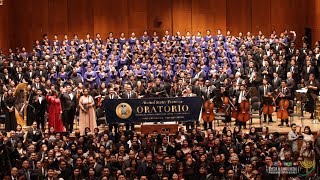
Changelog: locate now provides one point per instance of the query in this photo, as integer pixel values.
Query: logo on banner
(123, 110)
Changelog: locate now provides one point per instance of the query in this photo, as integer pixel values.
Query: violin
(207, 113)
(244, 107)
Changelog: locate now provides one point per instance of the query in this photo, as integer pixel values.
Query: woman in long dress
(87, 116)
(54, 112)
(11, 121)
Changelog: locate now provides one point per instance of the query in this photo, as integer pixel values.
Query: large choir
(66, 80)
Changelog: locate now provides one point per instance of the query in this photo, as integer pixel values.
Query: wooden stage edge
(273, 127)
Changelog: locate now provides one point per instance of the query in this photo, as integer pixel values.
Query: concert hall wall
(23, 21)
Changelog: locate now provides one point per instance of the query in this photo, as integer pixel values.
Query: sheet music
(302, 90)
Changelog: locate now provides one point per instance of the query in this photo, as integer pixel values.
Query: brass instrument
(22, 120)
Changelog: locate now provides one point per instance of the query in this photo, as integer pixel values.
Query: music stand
(267, 101)
(302, 98)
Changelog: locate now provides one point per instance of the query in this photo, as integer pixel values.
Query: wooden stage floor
(273, 127)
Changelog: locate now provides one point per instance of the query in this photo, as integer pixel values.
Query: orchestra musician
(207, 93)
(313, 89)
(265, 90)
(240, 96)
(284, 93)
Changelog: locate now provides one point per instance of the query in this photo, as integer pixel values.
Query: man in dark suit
(199, 74)
(266, 170)
(41, 71)
(69, 104)
(265, 91)
(266, 71)
(169, 167)
(307, 70)
(34, 135)
(25, 171)
(19, 76)
(197, 86)
(158, 90)
(240, 96)
(284, 93)
(207, 93)
(129, 94)
(97, 167)
(291, 84)
(147, 168)
(159, 173)
(276, 81)
(30, 74)
(235, 166)
(293, 68)
(40, 107)
(112, 95)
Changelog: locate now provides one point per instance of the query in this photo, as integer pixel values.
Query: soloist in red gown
(54, 114)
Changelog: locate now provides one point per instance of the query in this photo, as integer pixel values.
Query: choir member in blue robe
(144, 38)
(138, 72)
(90, 77)
(52, 76)
(63, 75)
(132, 40)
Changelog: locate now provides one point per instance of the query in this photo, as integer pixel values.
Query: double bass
(283, 108)
(243, 112)
(224, 107)
(207, 113)
(267, 107)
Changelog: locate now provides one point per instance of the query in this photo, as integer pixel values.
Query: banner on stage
(153, 109)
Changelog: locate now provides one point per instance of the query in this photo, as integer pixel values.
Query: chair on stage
(220, 117)
(255, 112)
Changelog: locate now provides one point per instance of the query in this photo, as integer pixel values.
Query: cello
(244, 107)
(207, 113)
(268, 109)
(283, 108)
(224, 107)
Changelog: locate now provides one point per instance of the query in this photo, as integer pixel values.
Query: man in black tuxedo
(265, 92)
(207, 93)
(240, 96)
(40, 106)
(112, 95)
(34, 135)
(69, 104)
(129, 94)
(307, 70)
(284, 93)
(276, 81)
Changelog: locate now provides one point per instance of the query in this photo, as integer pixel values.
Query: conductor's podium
(148, 128)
